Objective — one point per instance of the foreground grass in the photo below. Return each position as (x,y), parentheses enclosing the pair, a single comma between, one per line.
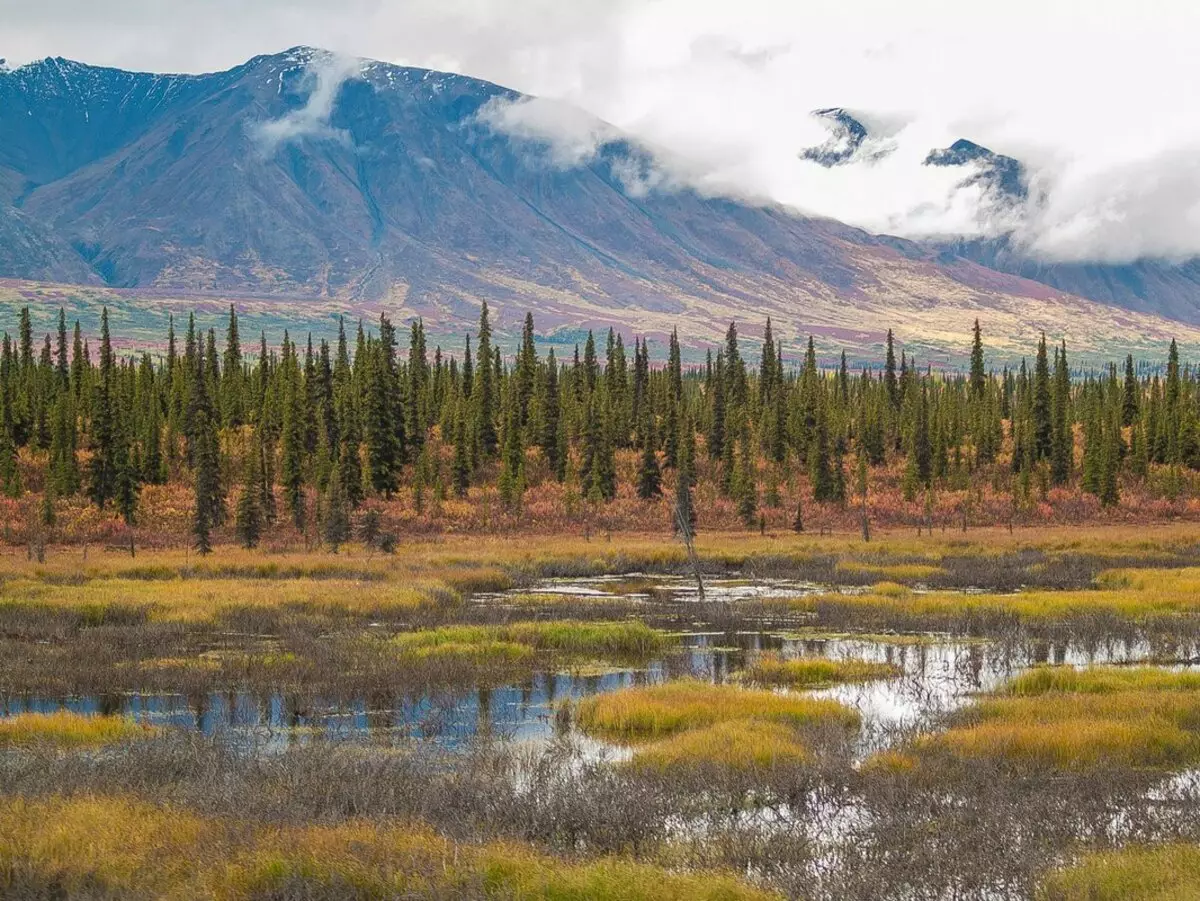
(657,711)
(1064,719)
(68,730)
(1167,873)
(120,847)
(815,672)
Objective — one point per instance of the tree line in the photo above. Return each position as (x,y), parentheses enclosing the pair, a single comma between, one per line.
(308,432)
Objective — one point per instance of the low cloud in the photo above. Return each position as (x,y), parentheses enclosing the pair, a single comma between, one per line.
(564,134)
(324,75)
(1096,101)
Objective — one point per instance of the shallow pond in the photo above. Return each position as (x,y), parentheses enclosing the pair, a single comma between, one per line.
(938,673)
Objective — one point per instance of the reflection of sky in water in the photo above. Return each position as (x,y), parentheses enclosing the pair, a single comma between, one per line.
(938,675)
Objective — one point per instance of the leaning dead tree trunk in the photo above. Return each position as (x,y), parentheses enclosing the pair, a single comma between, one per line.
(684,529)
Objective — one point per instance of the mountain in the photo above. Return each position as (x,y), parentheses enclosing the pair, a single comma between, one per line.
(999,174)
(1148,286)
(388,187)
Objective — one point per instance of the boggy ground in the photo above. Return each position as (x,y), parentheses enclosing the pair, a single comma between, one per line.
(679,770)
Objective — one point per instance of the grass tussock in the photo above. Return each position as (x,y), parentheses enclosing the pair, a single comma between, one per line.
(658,711)
(137,849)
(1166,873)
(1065,719)
(746,747)
(69,730)
(815,672)
(520,641)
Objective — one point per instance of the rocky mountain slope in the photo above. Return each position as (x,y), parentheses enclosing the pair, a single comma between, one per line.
(237,184)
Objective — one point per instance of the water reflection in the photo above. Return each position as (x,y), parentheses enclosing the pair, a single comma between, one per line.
(938,674)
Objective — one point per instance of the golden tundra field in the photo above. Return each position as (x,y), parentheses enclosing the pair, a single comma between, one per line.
(969,716)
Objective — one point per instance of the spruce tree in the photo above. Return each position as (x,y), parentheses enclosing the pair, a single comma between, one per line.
(1130,399)
(551,413)
(746,483)
(232,391)
(336,526)
(649,473)
(484,393)
(206,465)
(105,428)
(249,521)
(978,373)
(291,471)
(1063,438)
(10,474)
(461,470)
(64,440)
(1042,437)
(511,482)
(382,440)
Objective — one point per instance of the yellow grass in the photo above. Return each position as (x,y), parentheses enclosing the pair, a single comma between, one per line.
(1102,680)
(1164,873)
(128,848)
(1079,743)
(568,637)
(474,555)
(815,672)
(737,745)
(895,572)
(1127,594)
(68,729)
(644,713)
(1066,719)
(205,600)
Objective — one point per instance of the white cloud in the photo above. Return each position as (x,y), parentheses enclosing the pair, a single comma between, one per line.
(324,75)
(566,134)
(1095,97)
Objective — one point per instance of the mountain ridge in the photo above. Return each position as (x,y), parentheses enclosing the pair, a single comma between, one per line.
(402,195)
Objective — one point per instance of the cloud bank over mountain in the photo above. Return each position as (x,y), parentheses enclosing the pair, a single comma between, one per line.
(1093,100)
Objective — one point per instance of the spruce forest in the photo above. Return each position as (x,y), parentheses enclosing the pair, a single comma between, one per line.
(346,438)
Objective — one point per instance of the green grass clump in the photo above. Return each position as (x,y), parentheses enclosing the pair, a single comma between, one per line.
(67,729)
(646,713)
(625,640)
(815,672)
(1165,873)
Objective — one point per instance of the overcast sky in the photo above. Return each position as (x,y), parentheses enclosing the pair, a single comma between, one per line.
(1096,97)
